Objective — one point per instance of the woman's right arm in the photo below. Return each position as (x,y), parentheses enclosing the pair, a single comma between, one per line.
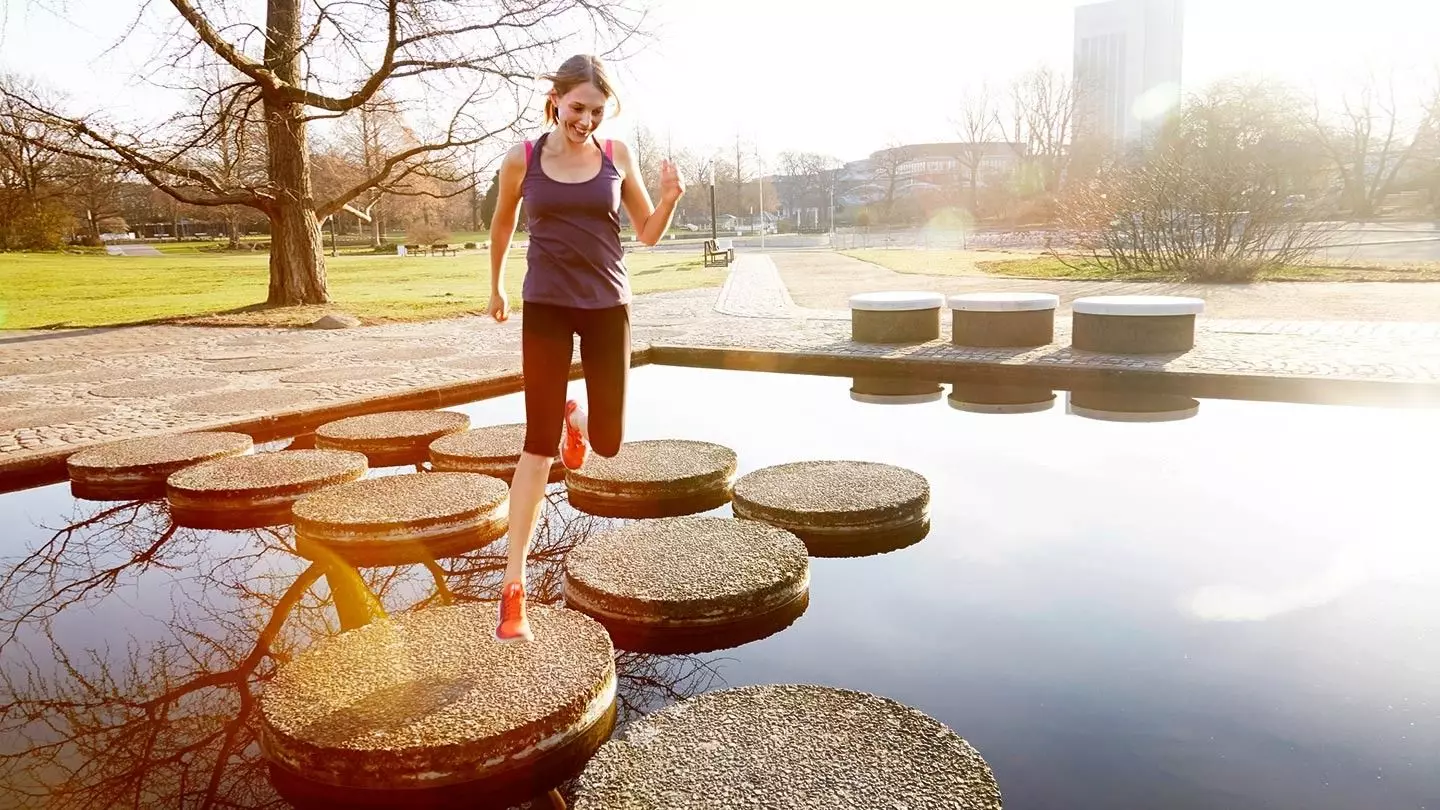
(502,227)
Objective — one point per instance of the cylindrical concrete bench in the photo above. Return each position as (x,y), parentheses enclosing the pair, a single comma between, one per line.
(1002,320)
(895,317)
(1135,324)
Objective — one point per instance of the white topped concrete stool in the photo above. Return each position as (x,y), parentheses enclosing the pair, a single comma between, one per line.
(1135,324)
(1003,319)
(895,317)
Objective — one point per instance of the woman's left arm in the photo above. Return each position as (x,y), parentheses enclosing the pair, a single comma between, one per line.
(651,222)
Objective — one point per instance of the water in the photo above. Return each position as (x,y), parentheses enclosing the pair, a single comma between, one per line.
(1233,610)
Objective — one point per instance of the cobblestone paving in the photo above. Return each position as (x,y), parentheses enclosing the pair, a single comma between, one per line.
(61,391)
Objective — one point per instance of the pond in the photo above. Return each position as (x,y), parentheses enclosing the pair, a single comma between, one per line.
(1237,608)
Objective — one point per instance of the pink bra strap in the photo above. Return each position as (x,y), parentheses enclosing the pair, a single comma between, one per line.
(610,149)
(529,149)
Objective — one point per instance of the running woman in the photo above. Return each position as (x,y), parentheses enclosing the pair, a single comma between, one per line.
(576,283)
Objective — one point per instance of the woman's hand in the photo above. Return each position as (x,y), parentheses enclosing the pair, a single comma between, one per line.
(672,187)
(499,306)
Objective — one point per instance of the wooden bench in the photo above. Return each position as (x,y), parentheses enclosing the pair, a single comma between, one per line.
(443,250)
(413,250)
(719,252)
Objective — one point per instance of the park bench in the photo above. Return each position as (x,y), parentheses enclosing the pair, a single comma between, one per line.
(443,249)
(719,252)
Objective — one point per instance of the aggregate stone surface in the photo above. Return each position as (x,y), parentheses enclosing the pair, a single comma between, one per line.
(342,374)
(275,363)
(787,746)
(831,492)
(27,367)
(658,463)
(149,452)
(403,499)
(270,471)
(22,418)
(243,401)
(417,425)
(688,568)
(432,694)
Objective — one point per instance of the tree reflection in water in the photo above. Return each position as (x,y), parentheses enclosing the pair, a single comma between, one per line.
(134,650)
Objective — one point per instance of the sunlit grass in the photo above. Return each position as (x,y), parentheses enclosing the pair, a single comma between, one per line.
(49,290)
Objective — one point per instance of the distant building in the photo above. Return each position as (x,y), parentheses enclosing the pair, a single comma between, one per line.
(1127,68)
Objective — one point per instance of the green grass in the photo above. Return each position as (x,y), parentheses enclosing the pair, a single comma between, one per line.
(52,290)
(977,263)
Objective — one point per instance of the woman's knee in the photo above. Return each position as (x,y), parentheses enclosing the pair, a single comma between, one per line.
(605,442)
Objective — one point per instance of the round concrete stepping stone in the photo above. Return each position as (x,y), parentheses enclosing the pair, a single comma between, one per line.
(839,508)
(787,746)
(15,399)
(686,572)
(19,367)
(138,468)
(23,418)
(273,363)
(403,519)
(160,387)
(1000,399)
(244,492)
(654,478)
(1125,406)
(342,374)
(243,401)
(97,374)
(430,700)
(492,450)
(393,438)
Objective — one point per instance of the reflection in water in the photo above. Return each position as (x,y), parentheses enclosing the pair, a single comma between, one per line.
(894,390)
(1000,399)
(134,650)
(679,639)
(1118,405)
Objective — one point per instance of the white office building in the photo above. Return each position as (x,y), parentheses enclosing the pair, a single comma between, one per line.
(1127,67)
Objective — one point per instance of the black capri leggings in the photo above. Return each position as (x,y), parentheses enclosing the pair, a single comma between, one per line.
(547,345)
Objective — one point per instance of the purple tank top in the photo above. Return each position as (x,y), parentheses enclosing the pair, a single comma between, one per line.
(575,258)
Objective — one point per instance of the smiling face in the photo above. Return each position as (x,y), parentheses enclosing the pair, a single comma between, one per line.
(580,111)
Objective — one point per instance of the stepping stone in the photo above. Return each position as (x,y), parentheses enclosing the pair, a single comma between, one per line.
(393,438)
(160,387)
(653,479)
(45,417)
(428,705)
(1125,406)
(894,390)
(403,519)
(787,746)
(342,374)
(492,451)
(1000,399)
(246,400)
(247,492)
(686,573)
(138,468)
(839,508)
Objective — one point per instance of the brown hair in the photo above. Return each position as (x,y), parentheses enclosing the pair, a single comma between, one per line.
(577,70)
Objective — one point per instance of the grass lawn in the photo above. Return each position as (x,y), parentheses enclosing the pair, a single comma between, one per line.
(986,263)
(52,290)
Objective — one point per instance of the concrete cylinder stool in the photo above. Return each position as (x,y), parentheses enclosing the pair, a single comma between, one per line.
(895,317)
(1135,324)
(995,320)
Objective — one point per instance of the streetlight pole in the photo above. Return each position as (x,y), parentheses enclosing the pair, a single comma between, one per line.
(713,235)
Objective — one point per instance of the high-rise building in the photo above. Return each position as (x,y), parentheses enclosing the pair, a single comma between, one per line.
(1127,68)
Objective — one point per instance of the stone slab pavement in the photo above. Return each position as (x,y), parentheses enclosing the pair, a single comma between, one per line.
(62,391)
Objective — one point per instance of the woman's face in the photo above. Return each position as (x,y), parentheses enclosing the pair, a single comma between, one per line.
(581,110)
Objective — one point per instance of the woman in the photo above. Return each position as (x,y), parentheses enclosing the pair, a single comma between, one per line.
(576,283)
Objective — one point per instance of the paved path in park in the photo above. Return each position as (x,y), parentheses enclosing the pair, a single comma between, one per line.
(60,391)
(132,250)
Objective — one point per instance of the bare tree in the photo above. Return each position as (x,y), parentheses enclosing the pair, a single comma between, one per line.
(327,58)
(887,167)
(811,177)
(32,210)
(1373,139)
(1043,111)
(978,127)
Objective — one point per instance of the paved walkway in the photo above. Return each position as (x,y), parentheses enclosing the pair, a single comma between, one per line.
(60,391)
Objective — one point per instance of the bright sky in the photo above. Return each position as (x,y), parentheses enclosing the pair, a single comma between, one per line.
(800,74)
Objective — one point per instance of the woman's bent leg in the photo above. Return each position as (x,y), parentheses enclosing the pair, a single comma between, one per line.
(605,357)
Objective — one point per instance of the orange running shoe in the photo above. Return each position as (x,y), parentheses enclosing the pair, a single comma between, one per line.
(513,625)
(572,452)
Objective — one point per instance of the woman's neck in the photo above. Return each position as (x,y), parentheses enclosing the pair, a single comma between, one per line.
(564,145)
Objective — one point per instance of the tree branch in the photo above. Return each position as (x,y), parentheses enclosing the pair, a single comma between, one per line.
(224,49)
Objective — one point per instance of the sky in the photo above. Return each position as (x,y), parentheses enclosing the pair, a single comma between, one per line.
(802,75)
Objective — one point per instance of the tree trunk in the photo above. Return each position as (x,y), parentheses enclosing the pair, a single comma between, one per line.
(297,254)
(233,220)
